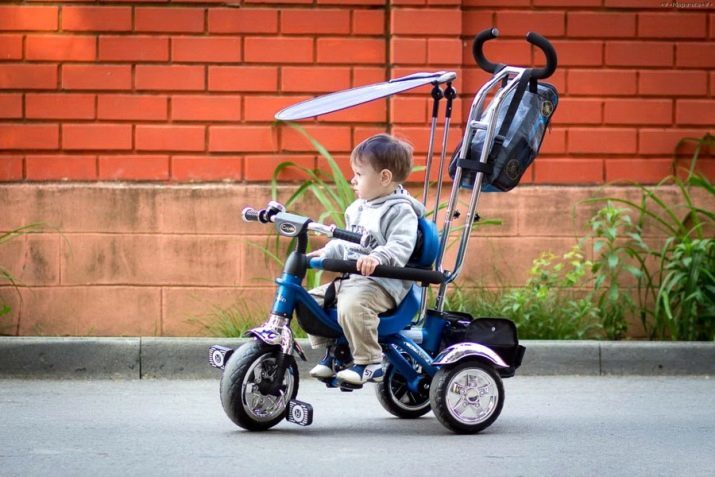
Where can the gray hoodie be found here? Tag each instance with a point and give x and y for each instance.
(391, 222)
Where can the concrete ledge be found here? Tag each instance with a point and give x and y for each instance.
(187, 358)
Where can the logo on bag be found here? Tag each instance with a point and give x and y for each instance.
(547, 107)
(512, 169)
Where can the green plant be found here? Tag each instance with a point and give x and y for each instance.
(674, 279)
(547, 307)
(233, 321)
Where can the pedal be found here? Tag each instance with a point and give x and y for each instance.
(218, 356)
(299, 412)
(349, 387)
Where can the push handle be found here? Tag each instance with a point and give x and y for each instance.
(478, 50)
(534, 38)
(386, 271)
(551, 61)
(346, 235)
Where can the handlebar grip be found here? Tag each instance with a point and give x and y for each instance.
(250, 214)
(402, 273)
(549, 52)
(346, 235)
(478, 50)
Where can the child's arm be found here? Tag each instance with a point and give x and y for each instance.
(401, 237)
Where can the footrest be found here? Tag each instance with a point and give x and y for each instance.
(299, 412)
(345, 386)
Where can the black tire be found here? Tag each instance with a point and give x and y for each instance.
(393, 395)
(242, 401)
(467, 397)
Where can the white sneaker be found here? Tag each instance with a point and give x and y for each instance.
(362, 373)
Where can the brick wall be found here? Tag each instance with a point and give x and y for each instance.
(186, 90)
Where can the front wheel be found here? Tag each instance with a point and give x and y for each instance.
(245, 396)
(467, 397)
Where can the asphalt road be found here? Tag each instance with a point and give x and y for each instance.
(571, 426)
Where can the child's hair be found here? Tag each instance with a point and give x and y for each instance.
(385, 152)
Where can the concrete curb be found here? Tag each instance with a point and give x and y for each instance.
(187, 358)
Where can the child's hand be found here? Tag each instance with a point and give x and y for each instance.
(366, 264)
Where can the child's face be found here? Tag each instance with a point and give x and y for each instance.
(368, 183)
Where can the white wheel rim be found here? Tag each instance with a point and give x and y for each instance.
(472, 396)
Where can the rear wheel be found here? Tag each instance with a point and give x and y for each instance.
(467, 397)
(396, 397)
(246, 393)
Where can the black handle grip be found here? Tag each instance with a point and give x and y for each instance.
(250, 215)
(478, 50)
(402, 273)
(549, 52)
(346, 235)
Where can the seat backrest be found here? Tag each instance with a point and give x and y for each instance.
(427, 245)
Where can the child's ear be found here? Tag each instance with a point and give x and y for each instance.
(386, 176)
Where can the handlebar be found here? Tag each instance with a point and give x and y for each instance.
(402, 273)
(534, 38)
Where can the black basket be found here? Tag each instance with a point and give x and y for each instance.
(498, 334)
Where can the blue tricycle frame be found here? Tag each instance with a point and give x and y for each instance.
(434, 360)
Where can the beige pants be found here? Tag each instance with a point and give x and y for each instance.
(360, 300)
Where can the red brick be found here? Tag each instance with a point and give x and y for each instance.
(206, 108)
(698, 55)
(568, 171)
(602, 82)
(264, 108)
(601, 25)
(243, 78)
(337, 2)
(132, 107)
(100, 77)
(243, 20)
(193, 168)
(351, 50)
(638, 111)
(10, 106)
(170, 138)
(28, 76)
(639, 53)
(29, 136)
(315, 21)
(474, 21)
(241, 139)
(96, 136)
(368, 22)
(11, 168)
(133, 48)
(169, 77)
(262, 168)
(579, 53)
(137, 167)
(59, 106)
(512, 52)
(47, 168)
(672, 25)
(278, 50)
(425, 21)
(648, 171)
(407, 110)
(333, 138)
(30, 18)
(579, 111)
(163, 19)
(554, 141)
(672, 83)
(602, 141)
(696, 112)
(664, 141)
(408, 51)
(519, 23)
(206, 49)
(444, 51)
(104, 18)
(342, 161)
(10, 47)
(363, 75)
(314, 79)
(639, 4)
(60, 47)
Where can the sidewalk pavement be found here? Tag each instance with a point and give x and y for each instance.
(187, 358)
